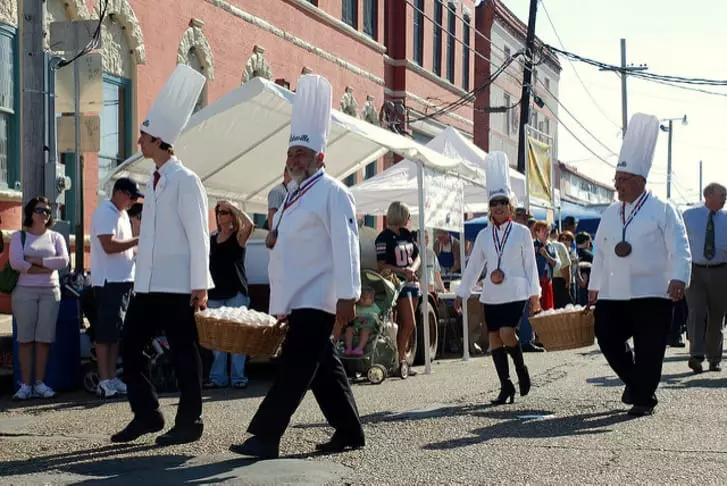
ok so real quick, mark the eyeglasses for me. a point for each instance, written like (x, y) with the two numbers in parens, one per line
(223, 212)
(499, 202)
(43, 211)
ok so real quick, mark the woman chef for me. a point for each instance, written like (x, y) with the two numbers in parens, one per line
(505, 251)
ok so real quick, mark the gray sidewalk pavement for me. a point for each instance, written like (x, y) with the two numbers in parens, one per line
(435, 429)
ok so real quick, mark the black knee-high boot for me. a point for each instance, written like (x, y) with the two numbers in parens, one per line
(523, 375)
(507, 389)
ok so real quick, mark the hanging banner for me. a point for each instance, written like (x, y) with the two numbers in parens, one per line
(539, 170)
(443, 200)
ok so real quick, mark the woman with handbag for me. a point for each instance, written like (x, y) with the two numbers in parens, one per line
(227, 266)
(36, 253)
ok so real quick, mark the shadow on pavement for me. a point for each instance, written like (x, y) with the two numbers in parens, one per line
(605, 381)
(515, 427)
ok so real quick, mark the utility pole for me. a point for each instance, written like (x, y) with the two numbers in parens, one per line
(668, 162)
(33, 101)
(625, 69)
(527, 88)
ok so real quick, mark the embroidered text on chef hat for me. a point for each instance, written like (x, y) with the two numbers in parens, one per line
(497, 176)
(310, 122)
(171, 110)
(637, 149)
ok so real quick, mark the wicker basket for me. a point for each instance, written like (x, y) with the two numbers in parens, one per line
(565, 330)
(238, 338)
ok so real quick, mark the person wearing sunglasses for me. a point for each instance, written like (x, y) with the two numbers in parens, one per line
(37, 253)
(112, 261)
(505, 251)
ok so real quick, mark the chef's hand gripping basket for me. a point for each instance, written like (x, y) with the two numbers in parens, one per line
(233, 336)
(568, 328)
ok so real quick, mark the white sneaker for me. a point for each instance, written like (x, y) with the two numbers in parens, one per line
(41, 390)
(24, 392)
(105, 389)
(119, 386)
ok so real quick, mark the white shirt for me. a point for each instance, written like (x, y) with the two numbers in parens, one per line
(174, 245)
(110, 267)
(660, 252)
(315, 260)
(518, 263)
(432, 264)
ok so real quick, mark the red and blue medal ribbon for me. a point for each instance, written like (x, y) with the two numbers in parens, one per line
(637, 207)
(296, 195)
(500, 243)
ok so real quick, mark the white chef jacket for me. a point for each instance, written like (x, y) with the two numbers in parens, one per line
(174, 244)
(518, 263)
(660, 252)
(315, 260)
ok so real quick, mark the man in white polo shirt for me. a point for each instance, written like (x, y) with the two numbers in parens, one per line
(112, 270)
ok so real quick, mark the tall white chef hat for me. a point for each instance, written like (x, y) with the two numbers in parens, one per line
(497, 174)
(637, 149)
(172, 108)
(310, 122)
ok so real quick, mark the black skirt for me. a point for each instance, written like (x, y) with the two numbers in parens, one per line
(508, 314)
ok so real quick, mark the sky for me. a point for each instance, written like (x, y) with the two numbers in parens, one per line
(670, 36)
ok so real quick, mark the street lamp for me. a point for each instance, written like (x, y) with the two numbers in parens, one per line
(670, 130)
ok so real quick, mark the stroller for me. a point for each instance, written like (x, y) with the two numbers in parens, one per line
(380, 358)
(158, 352)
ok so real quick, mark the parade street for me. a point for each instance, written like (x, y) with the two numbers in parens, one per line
(438, 429)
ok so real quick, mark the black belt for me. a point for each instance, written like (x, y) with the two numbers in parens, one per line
(713, 265)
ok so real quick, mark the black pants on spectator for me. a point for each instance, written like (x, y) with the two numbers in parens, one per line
(149, 314)
(561, 294)
(679, 320)
(647, 321)
(308, 361)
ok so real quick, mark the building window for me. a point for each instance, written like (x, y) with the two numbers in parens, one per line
(282, 82)
(371, 18)
(350, 180)
(370, 170)
(506, 53)
(466, 54)
(437, 40)
(547, 84)
(350, 13)
(313, 2)
(419, 32)
(9, 143)
(508, 113)
(452, 31)
(547, 126)
(115, 124)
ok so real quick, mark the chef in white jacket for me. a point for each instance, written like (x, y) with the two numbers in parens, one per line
(315, 281)
(505, 251)
(172, 265)
(642, 263)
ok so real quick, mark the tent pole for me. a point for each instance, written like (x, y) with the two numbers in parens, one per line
(465, 318)
(425, 276)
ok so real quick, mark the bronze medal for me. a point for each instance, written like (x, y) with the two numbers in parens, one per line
(623, 249)
(271, 238)
(497, 277)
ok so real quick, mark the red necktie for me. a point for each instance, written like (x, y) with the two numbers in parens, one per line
(157, 176)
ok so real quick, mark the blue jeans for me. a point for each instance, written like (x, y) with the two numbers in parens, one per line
(218, 372)
(525, 329)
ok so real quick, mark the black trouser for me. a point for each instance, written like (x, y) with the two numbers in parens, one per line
(561, 293)
(308, 361)
(646, 320)
(149, 314)
(679, 320)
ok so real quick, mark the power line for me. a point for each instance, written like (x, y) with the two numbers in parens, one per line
(575, 71)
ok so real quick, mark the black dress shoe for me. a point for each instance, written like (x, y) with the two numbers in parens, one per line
(140, 426)
(677, 342)
(256, 447)
(695, 363)
(339, 443)
(641, 411)
(532, 348)
(626, 397)
(182, 434)
(715, 367)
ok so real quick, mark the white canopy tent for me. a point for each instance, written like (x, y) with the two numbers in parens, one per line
(237, 146)
(399, 182)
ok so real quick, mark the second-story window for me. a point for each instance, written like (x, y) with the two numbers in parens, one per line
(350, 13)
(451, 32)
(466, 54)
(437, 40)
(419, 32)
(371, 18)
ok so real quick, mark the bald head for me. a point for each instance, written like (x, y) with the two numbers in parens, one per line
(715, 196)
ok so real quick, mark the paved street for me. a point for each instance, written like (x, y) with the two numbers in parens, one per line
(436, 429)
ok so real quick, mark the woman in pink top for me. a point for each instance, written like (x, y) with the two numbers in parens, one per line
(37, 296)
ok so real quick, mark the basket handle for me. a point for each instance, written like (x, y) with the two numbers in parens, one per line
(588, 309)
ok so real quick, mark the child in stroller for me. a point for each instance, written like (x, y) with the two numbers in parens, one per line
(365, 322)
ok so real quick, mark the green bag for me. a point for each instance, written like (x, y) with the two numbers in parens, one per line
(9, 276)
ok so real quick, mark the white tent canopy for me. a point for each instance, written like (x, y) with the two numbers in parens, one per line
(399, 182)
(237, 146)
